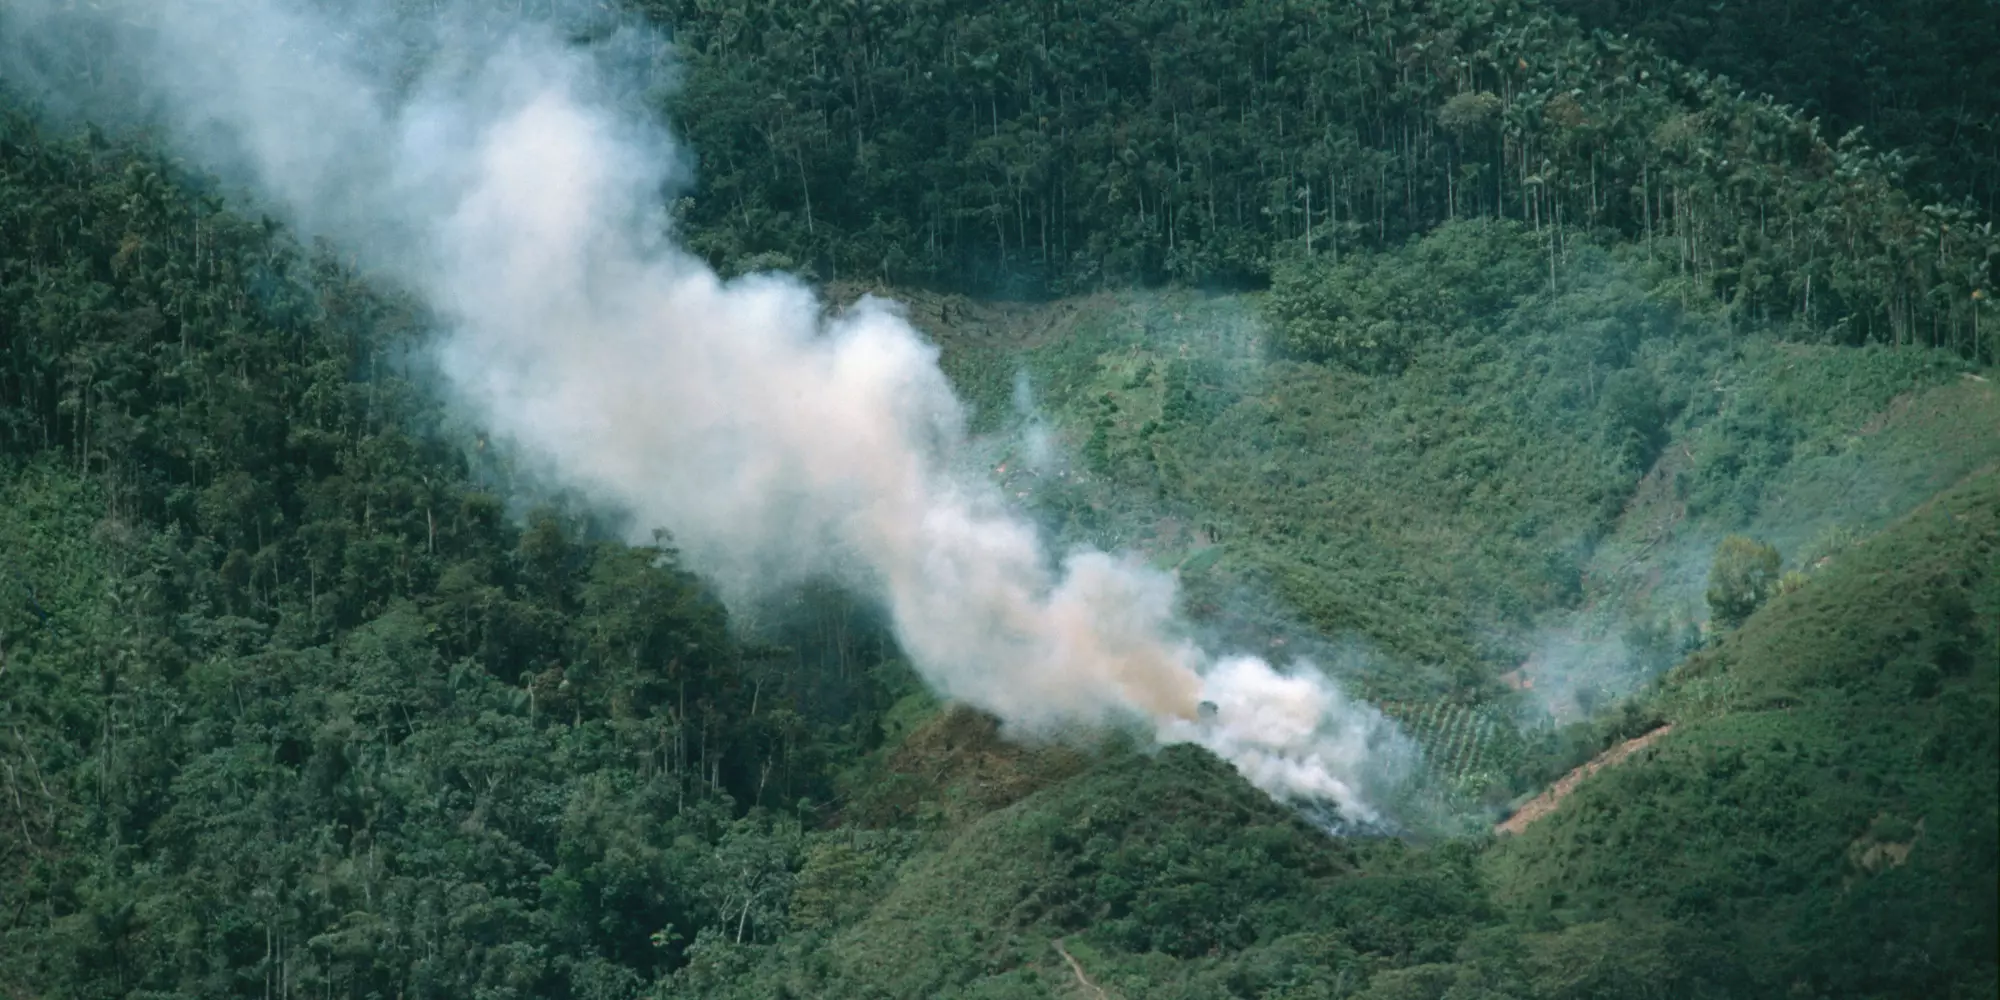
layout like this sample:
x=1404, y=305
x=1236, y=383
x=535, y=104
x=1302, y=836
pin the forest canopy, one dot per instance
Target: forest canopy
x=1460, y=344
x=1064, y=146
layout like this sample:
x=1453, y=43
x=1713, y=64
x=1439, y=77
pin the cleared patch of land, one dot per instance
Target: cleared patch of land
x=1075, y=966
x=1545, y=803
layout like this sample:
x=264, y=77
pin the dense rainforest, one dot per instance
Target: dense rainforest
x=1919, y=77
x=1055, y=147
x=1449, y=343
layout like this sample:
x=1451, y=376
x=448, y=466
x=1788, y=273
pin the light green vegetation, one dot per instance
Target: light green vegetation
x=1530, y=498
x=1821, y=820
x=1539, y=452
x=296, y=702
x=1825, y=807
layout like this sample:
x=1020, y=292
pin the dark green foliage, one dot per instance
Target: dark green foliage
x=1635, y=417
x=1744, y=576
x=1370, y=312
x=1193, y=863
x=294, y=703
x=1918, y=75
x=297, y=703
x=1754, y=442
x=1825, y=808
x=1066, y=146
x=1165, y=875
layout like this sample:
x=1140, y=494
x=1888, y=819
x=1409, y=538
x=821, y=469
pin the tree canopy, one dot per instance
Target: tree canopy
x=308, y=694
x=1063, y=146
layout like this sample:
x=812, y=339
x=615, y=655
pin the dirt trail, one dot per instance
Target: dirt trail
x=1545, y=803
x=1077, y=967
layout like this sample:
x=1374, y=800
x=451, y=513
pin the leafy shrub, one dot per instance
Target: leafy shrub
x=1635, y=422
x=1744, y=576
x=1470, y=112
x=1370, y=312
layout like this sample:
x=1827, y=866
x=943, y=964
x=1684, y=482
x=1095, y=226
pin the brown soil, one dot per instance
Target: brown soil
x=1077, y=967
x=1873, y=856
x=1546, y=803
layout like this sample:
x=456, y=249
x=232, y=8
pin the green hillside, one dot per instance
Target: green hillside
x=1821, y=821
x=1824, y=811
x=1442, y=345
x=1541, y=457
x=1918, y=77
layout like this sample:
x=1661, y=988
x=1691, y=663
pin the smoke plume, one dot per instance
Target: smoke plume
x=504, y=174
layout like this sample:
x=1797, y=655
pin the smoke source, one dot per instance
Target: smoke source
x=508, y=185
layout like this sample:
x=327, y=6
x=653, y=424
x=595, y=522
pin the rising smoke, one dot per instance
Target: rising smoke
x=503, y=179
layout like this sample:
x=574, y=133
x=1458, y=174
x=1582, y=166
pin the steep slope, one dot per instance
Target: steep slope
x=1054, y=148
x=1164, y=875
x=1819, y=818
x=1922, y=77
x=297, y=706
x=1514, y=523
x=292, y=699
x=1825, y=807
x=1547, y=469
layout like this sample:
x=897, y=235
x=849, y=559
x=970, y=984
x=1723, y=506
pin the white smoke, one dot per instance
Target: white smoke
x=505, y=188
x=1038, y=439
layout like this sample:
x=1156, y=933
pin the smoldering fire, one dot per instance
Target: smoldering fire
x=517, y=196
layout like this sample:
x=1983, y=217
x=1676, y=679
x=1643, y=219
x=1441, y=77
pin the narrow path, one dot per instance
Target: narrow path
x=1077, y=967
x=1545, y=803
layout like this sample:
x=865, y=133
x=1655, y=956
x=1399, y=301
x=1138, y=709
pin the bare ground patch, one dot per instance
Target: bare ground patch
x=1076, y=967
x=1546, y=803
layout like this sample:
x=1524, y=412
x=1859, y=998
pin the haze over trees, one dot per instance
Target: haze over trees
x=306, y=692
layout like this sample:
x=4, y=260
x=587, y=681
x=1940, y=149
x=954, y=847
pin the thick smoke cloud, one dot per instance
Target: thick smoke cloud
x=509, y=186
